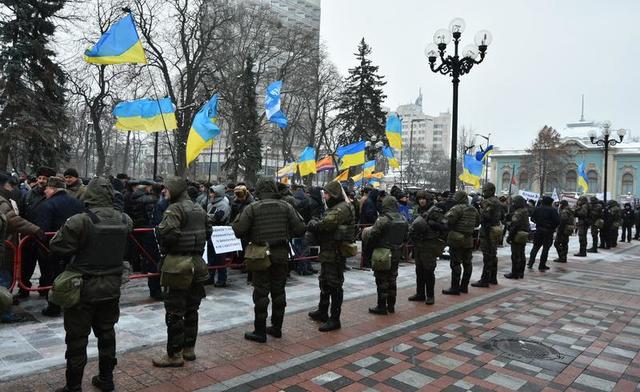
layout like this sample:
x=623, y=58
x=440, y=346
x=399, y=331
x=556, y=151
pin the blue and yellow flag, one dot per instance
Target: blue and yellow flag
x=150, y=115
x=288, y=170
x=307, y=161
x=357, y=177
x=203, y=129
x=582, y=178
x=388, y=153
x=374, y=183
x=344, y=176
x=272, y=105
x=351, y=155
x=118, y=45
x=368, y=168
x=483, y=154
x=394, y=132
x=472, y=171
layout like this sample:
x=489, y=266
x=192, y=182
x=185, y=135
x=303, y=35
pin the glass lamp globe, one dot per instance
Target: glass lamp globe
x=592, y=134
x=442, y=36
x=470, y=51
x=622, y=132
x=606, y=124
x=431, y=51
x=457, y=25
x=483, y=37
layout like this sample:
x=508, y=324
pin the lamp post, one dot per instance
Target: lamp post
x=266, y=160
x=606, y=142
x=456, y=65
x=86, y=149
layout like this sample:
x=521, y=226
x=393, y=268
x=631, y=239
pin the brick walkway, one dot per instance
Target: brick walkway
x=575, y=327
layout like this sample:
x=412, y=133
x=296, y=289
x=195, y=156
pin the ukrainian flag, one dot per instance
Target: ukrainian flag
x=483, y=154
x=119, y=45
x=472, y=171
x=388, y=153
x=351, y=155
x=150, y=115
x=374, y=183
x=369, y=168
x=344, y=176
x=357, y=177
x=288, y=169
x=307, y=162
x=582, y=178
x=203, y=129
x=394, y=132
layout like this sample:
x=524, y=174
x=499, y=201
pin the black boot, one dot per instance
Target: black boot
x=259, y=334
x=420, y=285
x=322, y=314
x=593, y=249
x=484, y=278
x=455, y=285
x=381, y=308
x=493, y=277
x=464, y=282
x=74, y=381
x=582, y=252
x=104, y=380
x=333, y=322
x=391, y=303
x=275, y=329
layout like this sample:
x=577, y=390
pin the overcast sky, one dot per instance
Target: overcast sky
x=545, y=54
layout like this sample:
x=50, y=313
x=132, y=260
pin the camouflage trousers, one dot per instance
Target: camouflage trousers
x=518, y=259
x=582, y=236
x=489, y=258
x=78, y=323
x=461, y=267
x=270, y=282
x=426, y=256
x=181, y=316
x=562, y=245
x=386, y=280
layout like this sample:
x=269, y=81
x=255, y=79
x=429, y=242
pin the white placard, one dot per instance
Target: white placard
x=529, y=195
x=224, y=240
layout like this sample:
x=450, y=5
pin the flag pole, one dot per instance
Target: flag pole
x=156, y=138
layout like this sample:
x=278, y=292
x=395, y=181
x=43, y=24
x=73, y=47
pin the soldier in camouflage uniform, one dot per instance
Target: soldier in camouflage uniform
x=519, y=223
x=597, y=222
x=274, y=222
x=428, y=233
x=462, y=219
x=565, y=228
x=182, y=235
x=490, y=216
x=339, y=213
x=583, y=213
x=390, y=232
x=97, y=241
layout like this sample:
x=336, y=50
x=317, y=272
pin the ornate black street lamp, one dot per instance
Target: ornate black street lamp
x=456, y=65
x=606, y=142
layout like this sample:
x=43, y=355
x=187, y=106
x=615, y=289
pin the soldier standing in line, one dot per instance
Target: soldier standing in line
x=97, y=241
x=597, y=223
x=462, y=219
x=627, y=222
x=547, y=220
x=583, y=214
x=565, y=229
x=518, y=235
x=616, y=221
x=428, y=232
x=339, y=218
x=271, y=223
x=490, y=235
x=389, y=232
x=182, y=234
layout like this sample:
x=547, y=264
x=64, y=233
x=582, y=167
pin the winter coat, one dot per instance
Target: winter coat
x=369, y=212
x=57, y=209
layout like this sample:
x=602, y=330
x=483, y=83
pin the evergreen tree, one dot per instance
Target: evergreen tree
x=32, y=100
x=246, y=155
x=360, y=111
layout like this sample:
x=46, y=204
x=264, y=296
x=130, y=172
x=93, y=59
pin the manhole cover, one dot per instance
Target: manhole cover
x=524, y=349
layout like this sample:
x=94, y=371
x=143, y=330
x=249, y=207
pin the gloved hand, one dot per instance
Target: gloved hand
x=312, y=226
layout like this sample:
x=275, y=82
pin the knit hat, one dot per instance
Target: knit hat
x=45, y=171
x=71, y=172
x=240, y=191
x=56, y=182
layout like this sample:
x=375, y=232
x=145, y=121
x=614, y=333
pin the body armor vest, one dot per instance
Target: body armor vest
x=106, y=244
x=395, y=231
x=270, y=222
x=467, y=222
x=193, y=233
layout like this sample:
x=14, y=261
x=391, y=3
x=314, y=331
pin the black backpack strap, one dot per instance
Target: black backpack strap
x=94, y=218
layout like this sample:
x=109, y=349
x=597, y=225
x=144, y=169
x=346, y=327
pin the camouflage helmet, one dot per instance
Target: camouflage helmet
x=422, y=194
x=460, y=197
x=334, y=189
x=6, y=299
x=488, y=190
x=582, y=200
x=519, y=201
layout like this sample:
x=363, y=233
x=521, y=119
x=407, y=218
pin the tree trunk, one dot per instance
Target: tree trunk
x=4, y=154
x=99, y=144
x=127, y=149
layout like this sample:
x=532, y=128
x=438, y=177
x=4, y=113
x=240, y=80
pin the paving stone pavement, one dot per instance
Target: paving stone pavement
x=575, y=327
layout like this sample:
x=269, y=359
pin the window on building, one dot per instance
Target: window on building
x=627, y=183
x=506, y=179
x=592, y=180
x=523, y=181
x=571, y=181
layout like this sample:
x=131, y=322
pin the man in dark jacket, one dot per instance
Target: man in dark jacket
x=547, y=220
x=53, y=213
x=75, y=187
x=96, y=239
x=628, y=220
x=272, y=222
x=31, y=203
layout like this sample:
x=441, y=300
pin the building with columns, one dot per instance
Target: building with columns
x=623, y=177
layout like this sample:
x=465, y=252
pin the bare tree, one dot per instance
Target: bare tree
x=546, y=158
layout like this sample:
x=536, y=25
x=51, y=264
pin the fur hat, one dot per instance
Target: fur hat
x=56, y=182
x=71, y=172
x=45, y=171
